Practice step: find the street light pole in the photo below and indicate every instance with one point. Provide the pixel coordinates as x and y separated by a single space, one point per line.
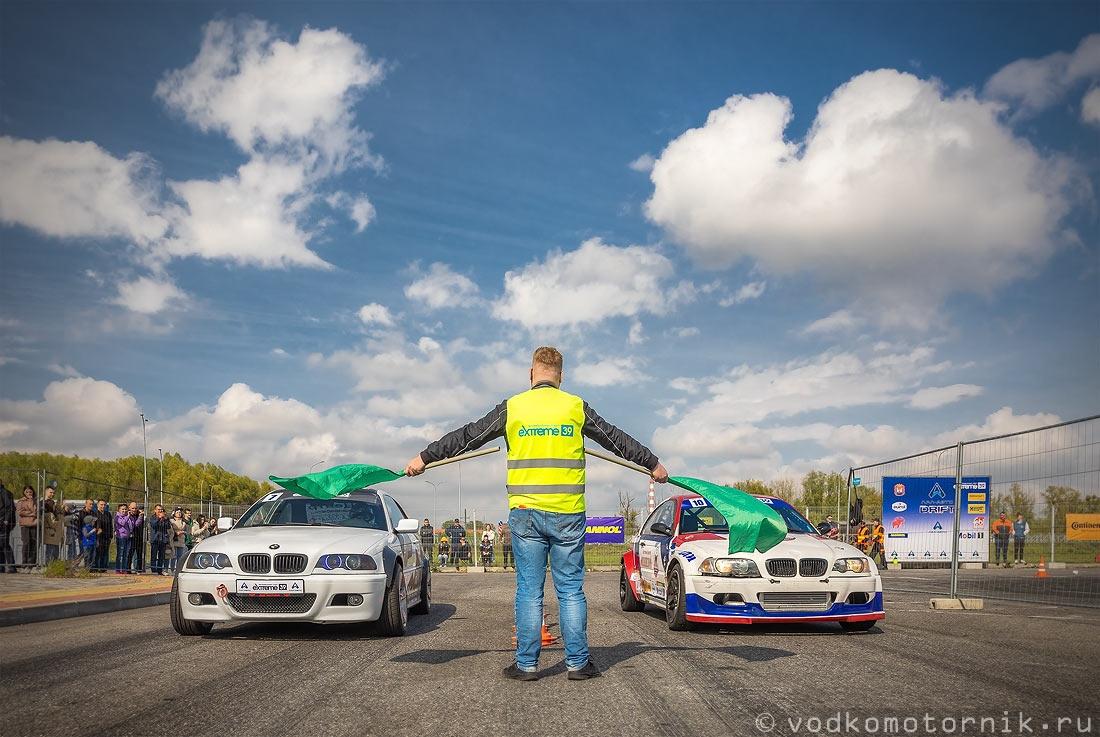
145 458
435 498
161 451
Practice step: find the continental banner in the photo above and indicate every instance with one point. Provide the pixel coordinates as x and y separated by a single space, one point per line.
605 530
1083 527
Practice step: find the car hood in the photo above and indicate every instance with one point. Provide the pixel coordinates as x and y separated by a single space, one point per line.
313 541
793 546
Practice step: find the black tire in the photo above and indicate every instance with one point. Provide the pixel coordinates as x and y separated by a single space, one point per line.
858 626
627 600
675 601
185 627
425 604
395 612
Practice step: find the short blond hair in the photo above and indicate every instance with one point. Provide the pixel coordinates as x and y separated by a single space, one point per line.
548 357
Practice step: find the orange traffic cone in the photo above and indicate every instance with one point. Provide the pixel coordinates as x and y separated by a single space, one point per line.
1042 572
547 637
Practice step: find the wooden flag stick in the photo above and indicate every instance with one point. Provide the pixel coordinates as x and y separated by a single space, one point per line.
463 457
617 461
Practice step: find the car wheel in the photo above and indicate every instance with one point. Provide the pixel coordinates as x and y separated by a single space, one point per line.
676 601
425 604
627 600
858 626
180 624
395 608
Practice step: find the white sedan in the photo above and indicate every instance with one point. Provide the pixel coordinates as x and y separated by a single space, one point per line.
679 561
355 558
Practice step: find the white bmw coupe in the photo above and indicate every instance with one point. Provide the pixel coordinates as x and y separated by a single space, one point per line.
355 558
679 562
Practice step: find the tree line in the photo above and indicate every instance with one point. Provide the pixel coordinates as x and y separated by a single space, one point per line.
122 479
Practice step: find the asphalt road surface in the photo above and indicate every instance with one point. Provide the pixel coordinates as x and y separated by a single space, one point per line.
1075 585
128 673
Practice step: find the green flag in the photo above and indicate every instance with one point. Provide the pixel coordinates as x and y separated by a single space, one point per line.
753 524
337 480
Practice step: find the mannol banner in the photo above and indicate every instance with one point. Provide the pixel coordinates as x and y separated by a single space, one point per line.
605 530
919 515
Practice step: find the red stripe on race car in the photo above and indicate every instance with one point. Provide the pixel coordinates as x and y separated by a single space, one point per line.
630 565
723 619
693 536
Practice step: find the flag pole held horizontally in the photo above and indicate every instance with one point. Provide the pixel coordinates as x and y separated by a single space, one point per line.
333 482
753 525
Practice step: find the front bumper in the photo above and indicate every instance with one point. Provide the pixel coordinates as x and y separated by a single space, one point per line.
371 586
701 607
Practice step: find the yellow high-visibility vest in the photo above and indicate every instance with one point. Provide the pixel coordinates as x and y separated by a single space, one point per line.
546 451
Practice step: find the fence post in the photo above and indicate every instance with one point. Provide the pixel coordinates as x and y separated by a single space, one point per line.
1052 516
848 512
957 523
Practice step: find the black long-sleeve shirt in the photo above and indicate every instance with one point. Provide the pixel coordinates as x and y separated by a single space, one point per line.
493 425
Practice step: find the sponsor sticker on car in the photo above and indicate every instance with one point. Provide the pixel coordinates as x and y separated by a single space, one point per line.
264 587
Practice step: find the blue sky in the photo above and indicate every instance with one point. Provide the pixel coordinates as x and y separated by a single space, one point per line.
768 237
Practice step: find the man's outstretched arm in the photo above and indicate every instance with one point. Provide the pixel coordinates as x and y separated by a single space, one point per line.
621 444
464 439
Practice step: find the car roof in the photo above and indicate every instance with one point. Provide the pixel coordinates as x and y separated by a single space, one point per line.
700 496
365 494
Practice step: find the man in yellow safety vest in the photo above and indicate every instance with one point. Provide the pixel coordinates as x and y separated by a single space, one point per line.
544 429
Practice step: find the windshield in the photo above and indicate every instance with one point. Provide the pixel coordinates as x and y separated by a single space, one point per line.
697 515
295 510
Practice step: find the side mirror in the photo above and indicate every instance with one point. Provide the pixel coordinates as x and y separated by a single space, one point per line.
225 524
660 528
407 525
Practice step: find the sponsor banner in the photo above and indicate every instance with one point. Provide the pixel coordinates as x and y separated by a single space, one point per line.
605 530
1083 527
922 514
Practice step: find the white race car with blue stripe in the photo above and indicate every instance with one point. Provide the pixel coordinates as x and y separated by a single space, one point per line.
679 561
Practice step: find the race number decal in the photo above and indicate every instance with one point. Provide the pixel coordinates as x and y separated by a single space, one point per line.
697 502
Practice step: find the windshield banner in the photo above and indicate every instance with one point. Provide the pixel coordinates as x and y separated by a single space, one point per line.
605 530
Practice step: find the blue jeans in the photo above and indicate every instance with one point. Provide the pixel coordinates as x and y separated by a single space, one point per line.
122 552
537 537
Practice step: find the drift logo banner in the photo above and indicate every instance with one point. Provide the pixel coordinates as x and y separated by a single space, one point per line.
605 530
919 515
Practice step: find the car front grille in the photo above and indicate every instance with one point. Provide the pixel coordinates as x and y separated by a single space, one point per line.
254 562
290 563
272 604
812 567
784 567
803 601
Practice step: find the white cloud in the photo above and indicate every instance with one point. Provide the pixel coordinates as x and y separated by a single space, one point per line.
939 396
752 290
643 163
279 353
1036 84
71 189
441 287
63 370
609 372
836 322
1001 422
590 284
1090 106
375 314
149 296
977 198
359 209
636 336
688 332
75 415
269 94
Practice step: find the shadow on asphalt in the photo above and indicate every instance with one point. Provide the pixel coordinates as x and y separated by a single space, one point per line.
604 657
770 628
291 631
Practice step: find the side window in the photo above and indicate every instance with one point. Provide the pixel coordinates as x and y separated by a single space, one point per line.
663 513
393 511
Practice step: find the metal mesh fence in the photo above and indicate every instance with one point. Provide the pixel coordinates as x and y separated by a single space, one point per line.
1023 525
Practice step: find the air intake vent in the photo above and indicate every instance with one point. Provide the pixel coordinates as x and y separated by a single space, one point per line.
272 604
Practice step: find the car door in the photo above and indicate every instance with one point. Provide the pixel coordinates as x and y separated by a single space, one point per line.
409 547
653 551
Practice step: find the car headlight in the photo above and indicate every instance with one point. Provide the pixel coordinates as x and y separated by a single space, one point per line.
346 561
733 567
852 565
203 561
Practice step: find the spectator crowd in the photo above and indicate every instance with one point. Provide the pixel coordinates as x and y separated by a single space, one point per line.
141 544
454 548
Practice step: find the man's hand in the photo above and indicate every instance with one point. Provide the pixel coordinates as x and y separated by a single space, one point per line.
659 474
415 466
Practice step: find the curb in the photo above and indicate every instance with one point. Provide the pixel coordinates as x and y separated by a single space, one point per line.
957 604
48 612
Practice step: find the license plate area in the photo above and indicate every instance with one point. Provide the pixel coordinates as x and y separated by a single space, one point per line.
271 587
